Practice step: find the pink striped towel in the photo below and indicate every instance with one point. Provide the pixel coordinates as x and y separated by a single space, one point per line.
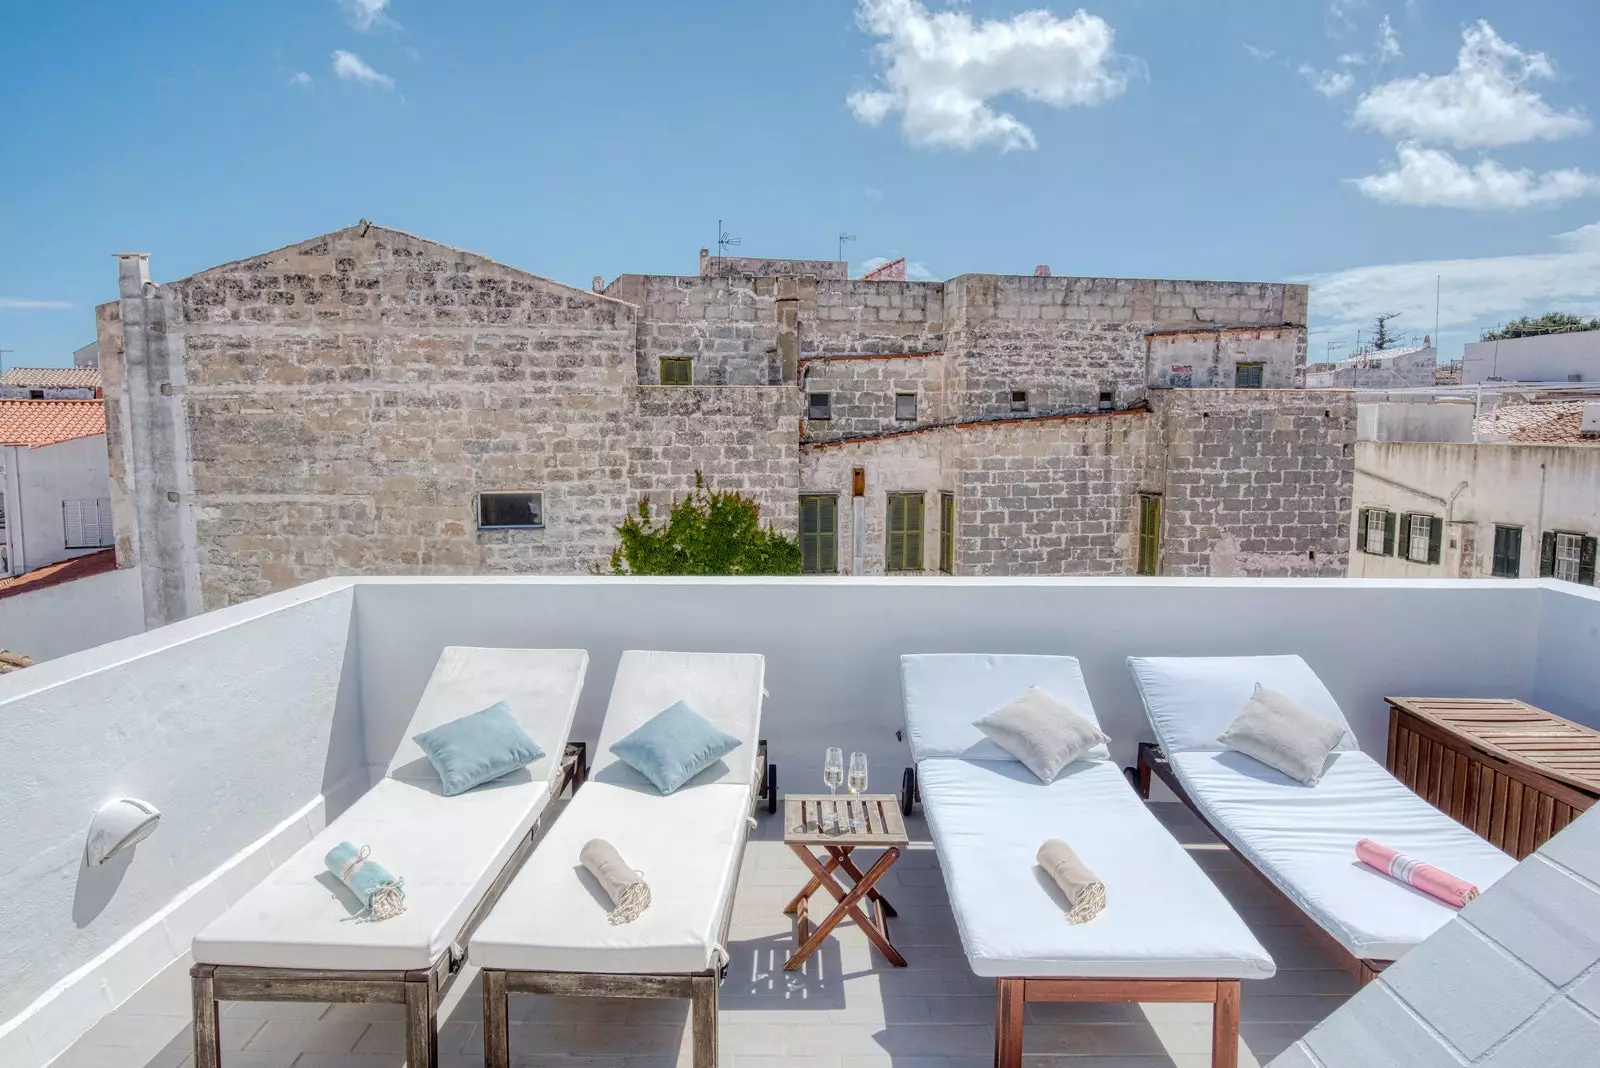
1438 884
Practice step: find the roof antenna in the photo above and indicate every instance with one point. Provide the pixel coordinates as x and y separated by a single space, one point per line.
725 240
842 239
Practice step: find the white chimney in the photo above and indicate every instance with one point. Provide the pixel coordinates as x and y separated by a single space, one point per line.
1591 420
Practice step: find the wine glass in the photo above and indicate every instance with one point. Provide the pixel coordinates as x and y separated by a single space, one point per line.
857 784
832 777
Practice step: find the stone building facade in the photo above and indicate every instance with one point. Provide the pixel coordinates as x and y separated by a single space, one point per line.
344 405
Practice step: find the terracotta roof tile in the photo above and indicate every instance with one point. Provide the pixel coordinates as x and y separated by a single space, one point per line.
1558 423
63 571
37 423
52 377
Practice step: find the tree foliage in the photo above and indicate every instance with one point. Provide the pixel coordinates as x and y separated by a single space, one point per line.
1548 323
707 533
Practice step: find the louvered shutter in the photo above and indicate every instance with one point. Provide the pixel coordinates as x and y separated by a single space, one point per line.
1435 539
1361 530
106 533
1586 561
72 523
1547 554
1388 533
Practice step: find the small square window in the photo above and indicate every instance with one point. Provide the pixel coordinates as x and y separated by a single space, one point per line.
819 406
1248 375
1108 400
1019 400
905 407
510 511
677 371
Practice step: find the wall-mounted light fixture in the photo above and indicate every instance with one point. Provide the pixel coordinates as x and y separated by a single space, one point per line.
120 824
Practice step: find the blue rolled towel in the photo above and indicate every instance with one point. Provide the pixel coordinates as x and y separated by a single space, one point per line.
382 895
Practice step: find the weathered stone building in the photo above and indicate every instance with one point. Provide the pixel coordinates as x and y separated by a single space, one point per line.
370 402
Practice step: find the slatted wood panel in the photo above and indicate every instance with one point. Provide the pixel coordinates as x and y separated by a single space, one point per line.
882 824
1515 774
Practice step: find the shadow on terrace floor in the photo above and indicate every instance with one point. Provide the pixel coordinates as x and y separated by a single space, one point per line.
847 1009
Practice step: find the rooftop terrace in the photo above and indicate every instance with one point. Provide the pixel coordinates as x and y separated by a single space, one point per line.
252 726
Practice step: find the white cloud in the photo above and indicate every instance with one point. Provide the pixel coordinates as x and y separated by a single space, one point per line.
349 66
915 271
1330 83
1341 14
1473 292
23 303
1388 41
1352 59
365 14
300 77
1258 53
942 69
1431 177
1485 102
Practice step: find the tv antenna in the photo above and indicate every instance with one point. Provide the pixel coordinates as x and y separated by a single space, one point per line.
842 239
725 240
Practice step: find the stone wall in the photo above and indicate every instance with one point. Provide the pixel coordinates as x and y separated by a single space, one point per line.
763 267
1254 482
871 318
1210 358
728 326
909 463
739 438
862 394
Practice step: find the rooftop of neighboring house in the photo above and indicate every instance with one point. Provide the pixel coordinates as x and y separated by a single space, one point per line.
58 573
1553 423
1372 356
37 423
52 377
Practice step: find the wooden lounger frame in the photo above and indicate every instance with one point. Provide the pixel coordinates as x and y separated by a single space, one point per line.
1011 995
699 987
419 991
1152 761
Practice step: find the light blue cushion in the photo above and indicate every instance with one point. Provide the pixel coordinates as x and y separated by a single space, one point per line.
674 746
477 748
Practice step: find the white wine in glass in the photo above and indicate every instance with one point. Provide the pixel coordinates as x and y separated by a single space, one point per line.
832 778
857 784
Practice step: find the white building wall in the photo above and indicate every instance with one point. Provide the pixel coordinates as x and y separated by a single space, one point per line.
1426 421
56 620
1473 488
35 483
1545 358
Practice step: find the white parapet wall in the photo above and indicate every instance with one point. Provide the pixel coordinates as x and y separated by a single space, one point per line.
56 620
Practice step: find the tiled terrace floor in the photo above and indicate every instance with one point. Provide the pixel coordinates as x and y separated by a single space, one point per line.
848 1009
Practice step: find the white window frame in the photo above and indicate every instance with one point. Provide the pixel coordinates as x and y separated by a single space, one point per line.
1569 556
1421 535
1376 521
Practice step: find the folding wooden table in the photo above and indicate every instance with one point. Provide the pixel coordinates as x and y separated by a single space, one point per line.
807 827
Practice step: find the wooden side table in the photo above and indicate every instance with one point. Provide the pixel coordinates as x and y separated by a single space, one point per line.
804 816
1513 773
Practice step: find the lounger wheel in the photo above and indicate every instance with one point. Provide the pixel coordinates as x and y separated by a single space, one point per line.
1132 775
908 791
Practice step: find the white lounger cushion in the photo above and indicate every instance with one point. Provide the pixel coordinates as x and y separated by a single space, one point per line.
944 694
1191 700
1304 839
1163 918
447 849
724 688
687 844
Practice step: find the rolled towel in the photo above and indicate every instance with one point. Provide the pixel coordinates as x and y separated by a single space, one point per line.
1086 894
382 895
1443 886
623 885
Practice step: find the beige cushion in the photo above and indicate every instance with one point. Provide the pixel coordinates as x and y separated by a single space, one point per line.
1283 735
1040 731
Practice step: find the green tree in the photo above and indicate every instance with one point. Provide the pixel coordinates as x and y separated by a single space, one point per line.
1548 323
707 533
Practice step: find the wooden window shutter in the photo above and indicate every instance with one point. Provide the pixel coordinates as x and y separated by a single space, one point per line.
827 534
1388 533
1435 538
809 509
894 547
914 515
1403 546
1547 554
1586 561
1361 530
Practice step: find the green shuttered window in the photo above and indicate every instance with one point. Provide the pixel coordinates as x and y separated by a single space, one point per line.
903 551
819 540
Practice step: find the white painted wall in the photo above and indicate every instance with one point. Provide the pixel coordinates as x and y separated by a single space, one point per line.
230 723
1427 421
1546 358
1535 487
75 615
35 482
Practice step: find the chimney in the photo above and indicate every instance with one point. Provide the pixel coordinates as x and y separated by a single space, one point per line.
133 273
599 283
1042 271
1591 420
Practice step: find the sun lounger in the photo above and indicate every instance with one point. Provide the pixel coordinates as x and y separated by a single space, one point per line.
295 936
1166 934
550 933
1303 838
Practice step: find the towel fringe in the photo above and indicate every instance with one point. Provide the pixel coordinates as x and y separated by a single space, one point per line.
385 903
1089 904
635 899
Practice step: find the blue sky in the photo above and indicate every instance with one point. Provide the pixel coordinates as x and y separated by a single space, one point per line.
1354 143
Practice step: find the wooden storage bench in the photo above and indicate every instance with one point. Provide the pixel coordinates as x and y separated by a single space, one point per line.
1513 773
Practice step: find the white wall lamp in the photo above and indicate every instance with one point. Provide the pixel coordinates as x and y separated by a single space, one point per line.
120 824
